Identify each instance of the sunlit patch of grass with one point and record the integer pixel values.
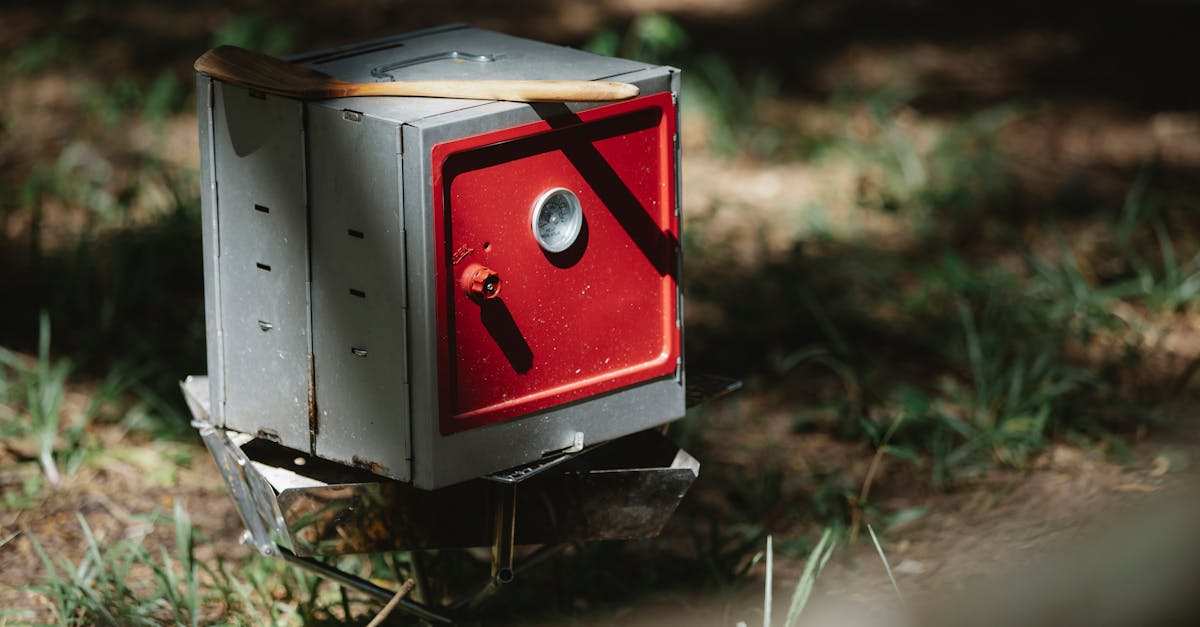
(940, 174)
(33, 406)
(128, 582)
(38, 422)
(973, 333)
(973, 364)
(43, 387)
(25, 487)
(1012, 382)
(1157, 274)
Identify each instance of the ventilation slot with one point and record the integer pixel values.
(263, 266)
(355, 233)
(262, 208)
(358, 351)
(358, 293)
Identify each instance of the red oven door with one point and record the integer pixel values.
(557, 268)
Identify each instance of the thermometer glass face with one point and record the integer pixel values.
(557, 219)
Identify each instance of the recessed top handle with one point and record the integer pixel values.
(383, 72)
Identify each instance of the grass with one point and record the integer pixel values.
(935, 357)
(924, 168)
(886, 565)
(256, 31)
(728, 97)
(125, 583)
(965, 346)
(44, 387)
(1019, 381)
(134, 276)
(802, 593)
(154, 100)
(146, 580)
(1171, 283)
(999, 377)
(812, 569)
(33, 406)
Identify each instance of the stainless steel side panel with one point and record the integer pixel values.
(263, 263)
(210, 242)
(358, 291)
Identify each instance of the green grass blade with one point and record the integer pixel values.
(767, 591)
(886, 566)
(812, 569)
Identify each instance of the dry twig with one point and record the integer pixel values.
(391, 605)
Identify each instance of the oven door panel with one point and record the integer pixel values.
(596, 317)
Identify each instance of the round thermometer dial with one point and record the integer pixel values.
(557, 219)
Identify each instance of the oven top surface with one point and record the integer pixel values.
(457, 52)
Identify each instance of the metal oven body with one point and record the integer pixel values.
(438, 289)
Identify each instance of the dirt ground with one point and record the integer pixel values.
(1001, 527)
(120, 495)
(1007, 527)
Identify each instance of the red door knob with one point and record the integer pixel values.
(480, 282)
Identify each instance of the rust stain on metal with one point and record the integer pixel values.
(269, 435)
(314, 423)
(370, 466)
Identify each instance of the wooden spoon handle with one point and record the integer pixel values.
(515, 90)
(276, 76)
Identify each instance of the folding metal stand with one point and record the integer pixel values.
(299, 507)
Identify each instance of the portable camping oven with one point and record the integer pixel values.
(415, 306)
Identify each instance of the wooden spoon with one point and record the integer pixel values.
(276, 76)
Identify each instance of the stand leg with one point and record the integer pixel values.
(420, 575)
(503, 529)
(362, 585)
